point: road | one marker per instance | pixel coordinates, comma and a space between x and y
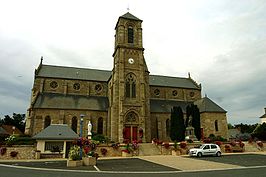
244, 165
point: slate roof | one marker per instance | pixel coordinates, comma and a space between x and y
61, 101
56, 132
167, 81
3, 131
264, 115
207, 105
165, 106
63, 72
9, 129
73, 73
130, 16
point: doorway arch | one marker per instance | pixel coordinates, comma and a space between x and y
130, 131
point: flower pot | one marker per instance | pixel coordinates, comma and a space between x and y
74, 163
126, 154
37, 154
89, 161
176, 152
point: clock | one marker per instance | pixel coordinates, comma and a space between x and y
130, 60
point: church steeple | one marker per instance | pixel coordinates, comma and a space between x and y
128, 32
130, 109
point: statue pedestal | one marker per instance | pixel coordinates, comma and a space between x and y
190, 134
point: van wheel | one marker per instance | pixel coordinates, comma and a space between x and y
199, 154
218, 154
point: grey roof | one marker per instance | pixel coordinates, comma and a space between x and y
73, 73
165, 106
63, 72
3, 131
263, 116
56, 132
130, 16
61, 101
167, 81
207, 105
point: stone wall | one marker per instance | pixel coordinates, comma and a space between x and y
207, 121
24, 152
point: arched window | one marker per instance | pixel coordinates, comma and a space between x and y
100, 126
47, 121
216, 125
74, 124
167, 124
131, 117
130, 35
130, 86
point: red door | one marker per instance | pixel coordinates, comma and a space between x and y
130, 133
134, 133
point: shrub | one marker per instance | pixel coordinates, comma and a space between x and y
228, 148
207, 140
74, 153
260, 144
103, 151
115, 145
2, 150
183, 145
219, 143
190, 141
233, 143
166, 145
241, 144
99, 137
11, 140
13, 153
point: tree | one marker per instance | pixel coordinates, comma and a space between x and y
196, 120
260, 132
246, 128
16, 120
193, 110
177, 131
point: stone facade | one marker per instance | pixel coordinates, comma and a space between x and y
214, 123
125, 103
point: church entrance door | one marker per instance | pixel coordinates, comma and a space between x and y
130, 133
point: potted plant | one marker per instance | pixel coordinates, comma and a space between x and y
176, 150
74, 157
126, 151
90, 155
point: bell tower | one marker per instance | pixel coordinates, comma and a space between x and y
129, 86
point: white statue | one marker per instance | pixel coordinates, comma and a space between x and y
89, 128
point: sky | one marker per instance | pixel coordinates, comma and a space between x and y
222, 44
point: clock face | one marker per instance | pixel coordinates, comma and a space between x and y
131, 61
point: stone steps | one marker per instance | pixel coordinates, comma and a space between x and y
148, 149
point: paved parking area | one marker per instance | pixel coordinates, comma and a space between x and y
155, 164
246, 160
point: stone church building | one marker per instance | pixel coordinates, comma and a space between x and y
124, 103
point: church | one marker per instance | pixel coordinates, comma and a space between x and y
125, 103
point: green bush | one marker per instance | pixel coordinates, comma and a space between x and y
99, 137
260, 132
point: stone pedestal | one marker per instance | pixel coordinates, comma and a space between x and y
74, 163
87, 161
176, 152
37, 154
125, 154
190, 134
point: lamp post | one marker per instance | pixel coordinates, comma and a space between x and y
80, 134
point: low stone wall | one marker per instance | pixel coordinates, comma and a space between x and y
23, 152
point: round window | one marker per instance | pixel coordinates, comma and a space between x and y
76, 86
192, 94
98, 88
174, 93
53, 84
157, 92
